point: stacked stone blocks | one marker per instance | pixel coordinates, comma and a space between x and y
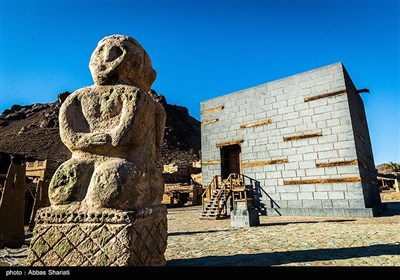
305, 152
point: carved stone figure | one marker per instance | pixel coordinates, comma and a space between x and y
115, 131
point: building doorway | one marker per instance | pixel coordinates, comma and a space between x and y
230, 160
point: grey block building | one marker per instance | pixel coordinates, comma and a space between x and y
303, 139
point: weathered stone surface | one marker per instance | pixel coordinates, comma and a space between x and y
68, 236
115, 134
121, 59
114, 130
40, 138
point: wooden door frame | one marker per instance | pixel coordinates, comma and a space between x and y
223, 154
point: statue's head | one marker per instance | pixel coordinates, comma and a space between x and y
120, 59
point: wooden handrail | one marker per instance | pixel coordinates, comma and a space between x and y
224, 189
207, 191
223, 193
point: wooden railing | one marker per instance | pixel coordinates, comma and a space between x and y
244, 191
240, 182
258, 190
215, 185
223, 187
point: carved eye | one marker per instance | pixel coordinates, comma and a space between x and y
114, 53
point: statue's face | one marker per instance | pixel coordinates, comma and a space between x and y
105, 61
119, 59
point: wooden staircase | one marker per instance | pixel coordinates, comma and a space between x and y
216, 196
214, 207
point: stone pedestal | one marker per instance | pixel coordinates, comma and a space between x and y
243, 217
75, 237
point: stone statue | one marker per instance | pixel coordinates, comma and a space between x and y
115, 132
106, 200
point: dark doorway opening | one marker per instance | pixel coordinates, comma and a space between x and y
230, 160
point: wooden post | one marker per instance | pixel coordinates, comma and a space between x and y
41, 200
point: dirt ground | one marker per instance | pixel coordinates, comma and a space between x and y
285, 241
277, 241
390, 195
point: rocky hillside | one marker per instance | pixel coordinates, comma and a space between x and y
381, 168
34, 132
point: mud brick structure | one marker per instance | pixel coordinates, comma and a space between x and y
303, 139
38, 175
12, 202
106, 200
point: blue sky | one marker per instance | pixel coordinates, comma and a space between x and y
204, 49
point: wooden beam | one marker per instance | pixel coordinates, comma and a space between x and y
209, 121
360, 136
256, 124
297, 137
211, 162
311, 98
362, 119
234, 142
323, 181
362, 164
261, 163
216, 109
337, 163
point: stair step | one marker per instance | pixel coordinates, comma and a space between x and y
217, 217
207, 218
214, 207
208, 214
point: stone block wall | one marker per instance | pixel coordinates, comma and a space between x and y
302, 138
363, 145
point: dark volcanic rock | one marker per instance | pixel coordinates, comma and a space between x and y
33, 131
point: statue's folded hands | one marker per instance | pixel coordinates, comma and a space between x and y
94, 139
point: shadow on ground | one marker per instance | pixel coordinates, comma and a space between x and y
391, 209
261, 225
280, 258
306, 222
196, 232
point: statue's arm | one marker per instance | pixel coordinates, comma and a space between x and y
133, 118
119, 135
74, 128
